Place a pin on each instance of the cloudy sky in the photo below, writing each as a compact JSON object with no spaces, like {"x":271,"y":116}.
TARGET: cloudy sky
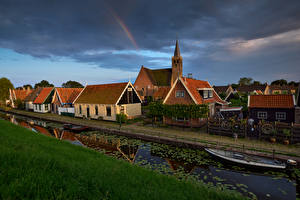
{"x":95,"y":41}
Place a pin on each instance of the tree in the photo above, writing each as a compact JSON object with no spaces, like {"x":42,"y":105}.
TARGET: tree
{"x":121,"y":118}
{"x":5,"y":85}
{"x":27,"y":85}
{"x":222,"y":95}
{"x":279,"y":82}
{"x":256,"y":83}
{"x":72,"y":84}
{"x":294,"y":83}
{"x":245,"y":81}
{"x":43,"y":83}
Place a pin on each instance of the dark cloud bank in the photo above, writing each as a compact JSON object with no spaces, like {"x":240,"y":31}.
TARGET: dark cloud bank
{"x":220,"y":40}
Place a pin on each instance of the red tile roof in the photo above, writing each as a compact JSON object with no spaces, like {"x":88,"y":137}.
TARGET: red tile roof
{"x":161,"y":92}
{"x":194,"y":85}
{"x":42,"y":96}
{"x":101,"y":94}
{"x":21,"y":93}
{"x":271,"y":101}
{"x":159,"y":77}
{"x":68,"y":95}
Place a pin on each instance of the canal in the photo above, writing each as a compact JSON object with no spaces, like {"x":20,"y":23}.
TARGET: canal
{"x":191,"y":164}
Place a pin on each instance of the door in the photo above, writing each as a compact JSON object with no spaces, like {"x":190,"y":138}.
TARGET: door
{"x":88,"y":112}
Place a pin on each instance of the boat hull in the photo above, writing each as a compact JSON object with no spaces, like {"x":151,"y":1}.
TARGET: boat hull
{"x":246,"y":160}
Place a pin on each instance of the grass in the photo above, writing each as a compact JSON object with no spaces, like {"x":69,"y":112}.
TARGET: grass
{"x":34,"y":166}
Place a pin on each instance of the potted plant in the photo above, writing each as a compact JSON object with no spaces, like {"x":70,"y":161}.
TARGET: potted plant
{"x":273,"y":136}
{"x":287,"y":134}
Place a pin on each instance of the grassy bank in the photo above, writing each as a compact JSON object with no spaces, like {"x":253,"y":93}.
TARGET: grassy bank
{"x":34,"y":166}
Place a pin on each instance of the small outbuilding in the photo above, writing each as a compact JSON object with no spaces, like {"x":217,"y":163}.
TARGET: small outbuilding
{"x":272,"y":107}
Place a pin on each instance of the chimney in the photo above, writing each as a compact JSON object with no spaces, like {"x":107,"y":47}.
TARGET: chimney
{"x":190,"y":75}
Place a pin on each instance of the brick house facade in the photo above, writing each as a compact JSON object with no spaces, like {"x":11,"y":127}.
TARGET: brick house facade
{"x":190,"y":91}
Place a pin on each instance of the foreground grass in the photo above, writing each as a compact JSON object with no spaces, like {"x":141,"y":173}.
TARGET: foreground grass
{"x":34,"y":166}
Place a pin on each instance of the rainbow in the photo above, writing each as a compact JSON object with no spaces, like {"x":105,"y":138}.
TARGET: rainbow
{"x":124,"y":27}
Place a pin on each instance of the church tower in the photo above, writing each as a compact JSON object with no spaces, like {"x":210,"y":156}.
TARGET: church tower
{"x":176,"y":64}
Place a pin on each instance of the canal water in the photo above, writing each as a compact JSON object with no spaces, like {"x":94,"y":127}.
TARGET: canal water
{"x":195,"y":165}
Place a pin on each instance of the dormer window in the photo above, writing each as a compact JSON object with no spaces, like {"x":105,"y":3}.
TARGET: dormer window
{"x":210,"y":93}
{"x":206,"y":93}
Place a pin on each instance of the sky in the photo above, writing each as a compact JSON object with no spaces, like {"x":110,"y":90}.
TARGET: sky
{"x":97,"y":41}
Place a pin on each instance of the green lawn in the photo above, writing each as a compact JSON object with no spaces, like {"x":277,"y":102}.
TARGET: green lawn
{"x":34,"y":166}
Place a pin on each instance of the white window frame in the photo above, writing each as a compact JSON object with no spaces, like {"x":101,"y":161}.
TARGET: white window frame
{"x":210,"y":93}
{"x":262,"y":113}
{"x":179,"y":93}
{"x":205,"y":94}
{"x":277,"y":114}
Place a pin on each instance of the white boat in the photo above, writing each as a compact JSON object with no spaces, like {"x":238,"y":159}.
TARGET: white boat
{"x":246,"y":159}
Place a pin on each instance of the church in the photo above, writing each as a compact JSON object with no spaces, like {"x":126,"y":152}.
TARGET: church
{"x":157,"y":83}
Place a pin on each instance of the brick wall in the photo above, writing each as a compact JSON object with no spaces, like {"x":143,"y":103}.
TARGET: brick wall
{"x":172,"y":99}
{"x":143,"y":81}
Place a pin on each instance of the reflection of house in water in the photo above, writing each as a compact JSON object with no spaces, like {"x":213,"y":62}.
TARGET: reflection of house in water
{"x":25,"y":124}
{"x":66,"y":135}
{"x":13,"y":119}
{"x":174,"y":165}
{"x":110,"y":146}
{"x":42,"y":130}
{"x":40,"y":123}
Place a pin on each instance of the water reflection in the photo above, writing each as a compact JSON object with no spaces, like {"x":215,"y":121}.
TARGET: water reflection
{"x":169,"y":160}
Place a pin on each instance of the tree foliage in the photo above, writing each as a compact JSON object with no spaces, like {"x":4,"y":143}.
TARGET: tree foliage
{"x":19,"y":104}
{"x":222,"y":95}
{"x":43,"y":83}
{"x":5,"y":85}
{"x":279,"y":82}
{"x":245,"y":81}
{"x":72,"y":84}
{"x":27,"y":86}
{"x":121,"y":118}
{"x":239,"y":100}
{"x":256,"y":83}
{"x":157,"y":109}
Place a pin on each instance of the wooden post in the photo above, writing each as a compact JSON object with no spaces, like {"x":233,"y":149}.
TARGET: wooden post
{"x":273,"y":154}
{"x":207,"y":131}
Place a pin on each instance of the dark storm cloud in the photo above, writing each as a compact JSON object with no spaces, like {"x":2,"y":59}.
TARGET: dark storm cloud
{"x":72,"y":28}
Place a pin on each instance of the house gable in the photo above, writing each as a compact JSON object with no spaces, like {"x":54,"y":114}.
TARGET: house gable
{"x":129,"y":96}
{"x":143,"y":80}
{"x":172,"y":99}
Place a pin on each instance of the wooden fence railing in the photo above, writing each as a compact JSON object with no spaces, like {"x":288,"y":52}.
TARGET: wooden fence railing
{"x":262,"y":130}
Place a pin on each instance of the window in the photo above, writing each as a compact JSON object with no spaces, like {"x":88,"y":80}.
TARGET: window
{"x":96,"y":110}
{"x":40,"y":107}
{"x":181,"y":119}
{"x":108,"y":111}
{"x":46,"y":107}
{"x":122,"y":109}
{"x":210,"y":93}
{"x":179,"y":93}
{"x":205,"y":94}
{"x":262,"y":115}
{"x":80,"y":111}
{"x":280,"y":116}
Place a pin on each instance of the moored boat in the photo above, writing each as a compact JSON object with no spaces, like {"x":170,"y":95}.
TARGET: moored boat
{"x":245,"y":159}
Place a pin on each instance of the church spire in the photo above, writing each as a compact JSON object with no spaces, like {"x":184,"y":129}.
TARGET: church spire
{"x":176,"y":64}
{"x":177,"y":51}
